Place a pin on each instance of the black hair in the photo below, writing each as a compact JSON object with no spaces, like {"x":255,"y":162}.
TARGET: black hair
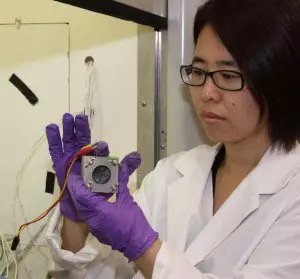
{"x":263,"y":36}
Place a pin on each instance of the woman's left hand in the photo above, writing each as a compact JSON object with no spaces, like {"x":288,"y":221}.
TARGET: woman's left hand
{"x":121,"y":224}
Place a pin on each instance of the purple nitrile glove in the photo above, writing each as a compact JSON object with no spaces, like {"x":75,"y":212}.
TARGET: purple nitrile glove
{"x":76,"y":134}
{"x":122,"y":224}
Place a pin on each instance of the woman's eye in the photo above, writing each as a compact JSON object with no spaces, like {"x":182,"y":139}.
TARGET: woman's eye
{"x":197,"y":72}
{"x":229,"y":76}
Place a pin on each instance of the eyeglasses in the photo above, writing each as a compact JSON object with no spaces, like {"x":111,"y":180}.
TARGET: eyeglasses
{"x":223,"y":79}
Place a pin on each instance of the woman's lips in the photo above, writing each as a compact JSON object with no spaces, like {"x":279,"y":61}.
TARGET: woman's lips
{"x":211,"y":117}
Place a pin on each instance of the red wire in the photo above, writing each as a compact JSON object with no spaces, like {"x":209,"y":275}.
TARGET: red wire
{"x":82,"y":152}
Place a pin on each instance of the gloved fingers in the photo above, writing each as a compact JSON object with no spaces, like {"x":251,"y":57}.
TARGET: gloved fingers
{"x":69,"y":138}
{"x":128,"y":166}
{"x":131,"y":161}
{"x":123,"y":193}
{"x":102,"y":149}
{"x":82,"y":130}
{"x":76,"y":168}
{"x":54,"y":143}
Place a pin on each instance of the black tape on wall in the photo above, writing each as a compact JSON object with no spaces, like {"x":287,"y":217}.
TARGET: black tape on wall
{"x":50,"y":182}
{"x":24,"y":89}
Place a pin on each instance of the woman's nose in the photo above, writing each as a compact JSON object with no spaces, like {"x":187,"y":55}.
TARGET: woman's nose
{"x":210,"y":91}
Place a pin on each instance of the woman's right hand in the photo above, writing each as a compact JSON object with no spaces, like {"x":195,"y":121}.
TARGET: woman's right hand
{"x":76,"y":134}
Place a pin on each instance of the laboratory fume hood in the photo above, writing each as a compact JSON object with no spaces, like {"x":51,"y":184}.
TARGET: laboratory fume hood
{"x":166,"y":121}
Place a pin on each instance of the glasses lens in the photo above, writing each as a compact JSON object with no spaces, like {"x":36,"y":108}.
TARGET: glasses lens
{"x":228,"y":80}
{"x":192,"y":76}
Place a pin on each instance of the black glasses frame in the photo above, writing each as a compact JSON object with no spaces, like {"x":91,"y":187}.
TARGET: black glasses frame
{"x":211,"y":75}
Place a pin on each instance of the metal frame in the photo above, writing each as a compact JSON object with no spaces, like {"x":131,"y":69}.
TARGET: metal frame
{"x":158,"y":7}
{"x":130,"y":10}
{"x":146,"y":100}
{"x":182,"y":123}
{"x":152,"y":130}
{"x":157,"y":94}
{"x":160,"y":131}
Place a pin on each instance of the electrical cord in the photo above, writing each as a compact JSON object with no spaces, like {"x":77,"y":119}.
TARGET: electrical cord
{"x":90,"y":80}
{"x":17,"y":201}
{"x":14,"y":259}
{"x":84,"y":151}
{"x":17,"y":198}
{"x":20,"y":173}
{"x":7,"y":260}
{"x":2,"y":250}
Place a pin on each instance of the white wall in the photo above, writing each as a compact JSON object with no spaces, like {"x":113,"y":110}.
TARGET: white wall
{"x":39,"y":55}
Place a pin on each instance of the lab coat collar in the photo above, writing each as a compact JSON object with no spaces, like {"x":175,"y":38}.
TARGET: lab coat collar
{"x":274,"y":170}
{"x":194,"y":166}
{"x":200,"y":158}
{"x":184,"y":197}
{"x":275,"y":161}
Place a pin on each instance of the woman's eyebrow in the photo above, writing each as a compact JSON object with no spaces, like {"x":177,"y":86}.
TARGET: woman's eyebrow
{"x":231,"y":63}
{"x":198,"y":59}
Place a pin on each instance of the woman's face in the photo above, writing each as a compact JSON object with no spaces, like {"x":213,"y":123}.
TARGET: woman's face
{"x":227,"y":116}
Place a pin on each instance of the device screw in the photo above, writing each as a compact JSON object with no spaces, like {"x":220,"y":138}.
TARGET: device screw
{"x":90,"y":185}
{"x":114,"y":188}
{"x":115,"y":163}
{"x":18,"y":22}
{"x":91,"y":161}
{"x":144,"y":104}
{"x":162,"y":146}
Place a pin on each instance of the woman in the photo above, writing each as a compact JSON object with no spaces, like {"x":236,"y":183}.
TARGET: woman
{"x":230,"y":211}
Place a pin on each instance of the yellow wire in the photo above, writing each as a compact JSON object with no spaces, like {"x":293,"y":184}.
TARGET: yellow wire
{"x":54,"y":203}
{"x":57,"y":200}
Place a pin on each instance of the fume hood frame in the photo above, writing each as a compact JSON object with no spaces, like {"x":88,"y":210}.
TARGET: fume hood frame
{"x":151,"y":13}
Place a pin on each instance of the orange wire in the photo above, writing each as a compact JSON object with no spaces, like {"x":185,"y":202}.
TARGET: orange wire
{"x":41,"y":216}
{"x":45,"y":213}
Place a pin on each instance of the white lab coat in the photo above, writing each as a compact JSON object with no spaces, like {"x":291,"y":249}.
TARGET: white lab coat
{"x":254,"y":235}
